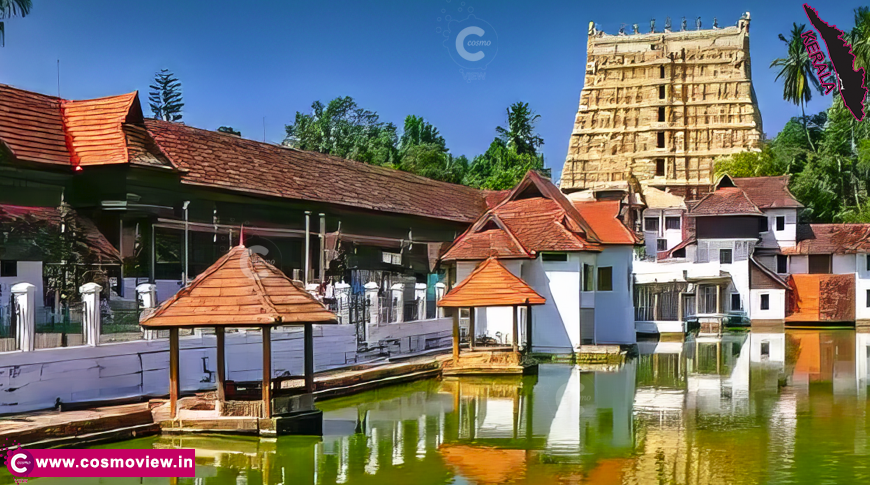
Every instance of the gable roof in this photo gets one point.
(831, 239)
(220, 160)
(725, 201)
(93, 127)
(491, 284)
(768, 192)
(604, 217)
(240, 289)
(534, 217)
(758, 270)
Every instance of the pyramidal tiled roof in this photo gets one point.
(240, 289)
(725, 201)
(491, 284)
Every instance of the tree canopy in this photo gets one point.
(9, 9)
(165, 96)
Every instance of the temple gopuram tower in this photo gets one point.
(662, 106)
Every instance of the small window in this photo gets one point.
(679, 253)
(662, 72)
(391, 258)
(765, 348)
(661, 113)
(763, 224)
(724, 256)
(662, 92)
(651, 224)
(765, 302)
(8, 268)
(554, 257)
(819, 263)
(781, 263)
(867, 258)
(661, 244)
(660, 139)
(660, 167)
(605, 278)
(868, 299)
(672, 222)
(588, 277)
(735, 302)
(780, 223)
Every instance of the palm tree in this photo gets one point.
(859, 37)
(519, 133)
(9, 9)
(797, 73)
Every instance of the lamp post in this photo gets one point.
(185, 277)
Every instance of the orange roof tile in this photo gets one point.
(491, 284)
(768, 192)
(831, 239)
(94, 133)
(603, 216)
(240, 289)
(725, 201)
(31, 126)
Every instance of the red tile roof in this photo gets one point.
(225, 161)
(31, 126)
(491, 284)
(831, 239)
(240, 289)
(603, 216)
(725, 201)
(768, 192)
(94, 130)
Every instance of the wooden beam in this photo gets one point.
(516, 337)
(472, 328)
(173, 372)
(309, 358)
(456, 335)
(267, 371)
(221, 363)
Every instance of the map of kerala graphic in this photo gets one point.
(851, 80)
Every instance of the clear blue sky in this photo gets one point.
(242, 61)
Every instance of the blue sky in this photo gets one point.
(241, 62)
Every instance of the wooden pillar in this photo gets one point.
(309, 358)
(456, 335)
(680, 306)
(173, 371)
(472, 327)
(718, 298)
(221, 363)
(267, 371)
(515, 345)
(528, 328)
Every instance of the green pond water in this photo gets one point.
(744, 408)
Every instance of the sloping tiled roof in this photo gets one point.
(225, 161)
(768, 192)
(725, 201)
(93, 128)
(491, 284)
(758, 270)
(492, 239)
(603, 216)
(31, 126)
(95, 239)
(240, 289)
(831, 239)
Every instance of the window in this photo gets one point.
(605, 278)
(819, 263)
(672, 222)
(660, 167)
(554, 257)
(662, 72)
(765, 301)
(763, 224)
(724, 256)
(661, 113)
(780, 223)
(679, 253)
(867, 304)
(661, 92)
(867, 257)
(765, 348)
(660, 139)
(781, 263)
(8, 268)
(391, 258)
(661, 244)
(651, 224)
(588, 277)
(735, 302)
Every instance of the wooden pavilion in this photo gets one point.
(241, 290)
(491, 285)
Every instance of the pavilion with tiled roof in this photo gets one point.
(240, 290)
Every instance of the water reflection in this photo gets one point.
(743, 408)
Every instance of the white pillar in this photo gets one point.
(398, 299)
(147, 295)
(342, 295)
(24, 298)
(91, 313)
(314, 290)
(373, 303)
(420, 298)
(440, 291)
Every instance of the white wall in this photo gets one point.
(556, 325)
(798, 264)
(672, 236)
(785, 238)
(777, 305)
(862, 284)
(843, 263)
(28, 272)
(614, 314)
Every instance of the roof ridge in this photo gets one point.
(276, 317)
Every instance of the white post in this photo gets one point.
(91, 313)
(398, 298)
(373, 303)
(342, 295)
(147, 296)
(314, 290)
(440, 291)
(24, 297)
(420, 297)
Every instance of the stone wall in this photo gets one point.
(662, 106)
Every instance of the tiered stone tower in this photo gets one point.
(662, 106)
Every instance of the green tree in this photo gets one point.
(501, 167)
(859, 38)
(796, 71)
(229, 130)
(165, 97)
(749, 164)
(9, 9)
(520, 131)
